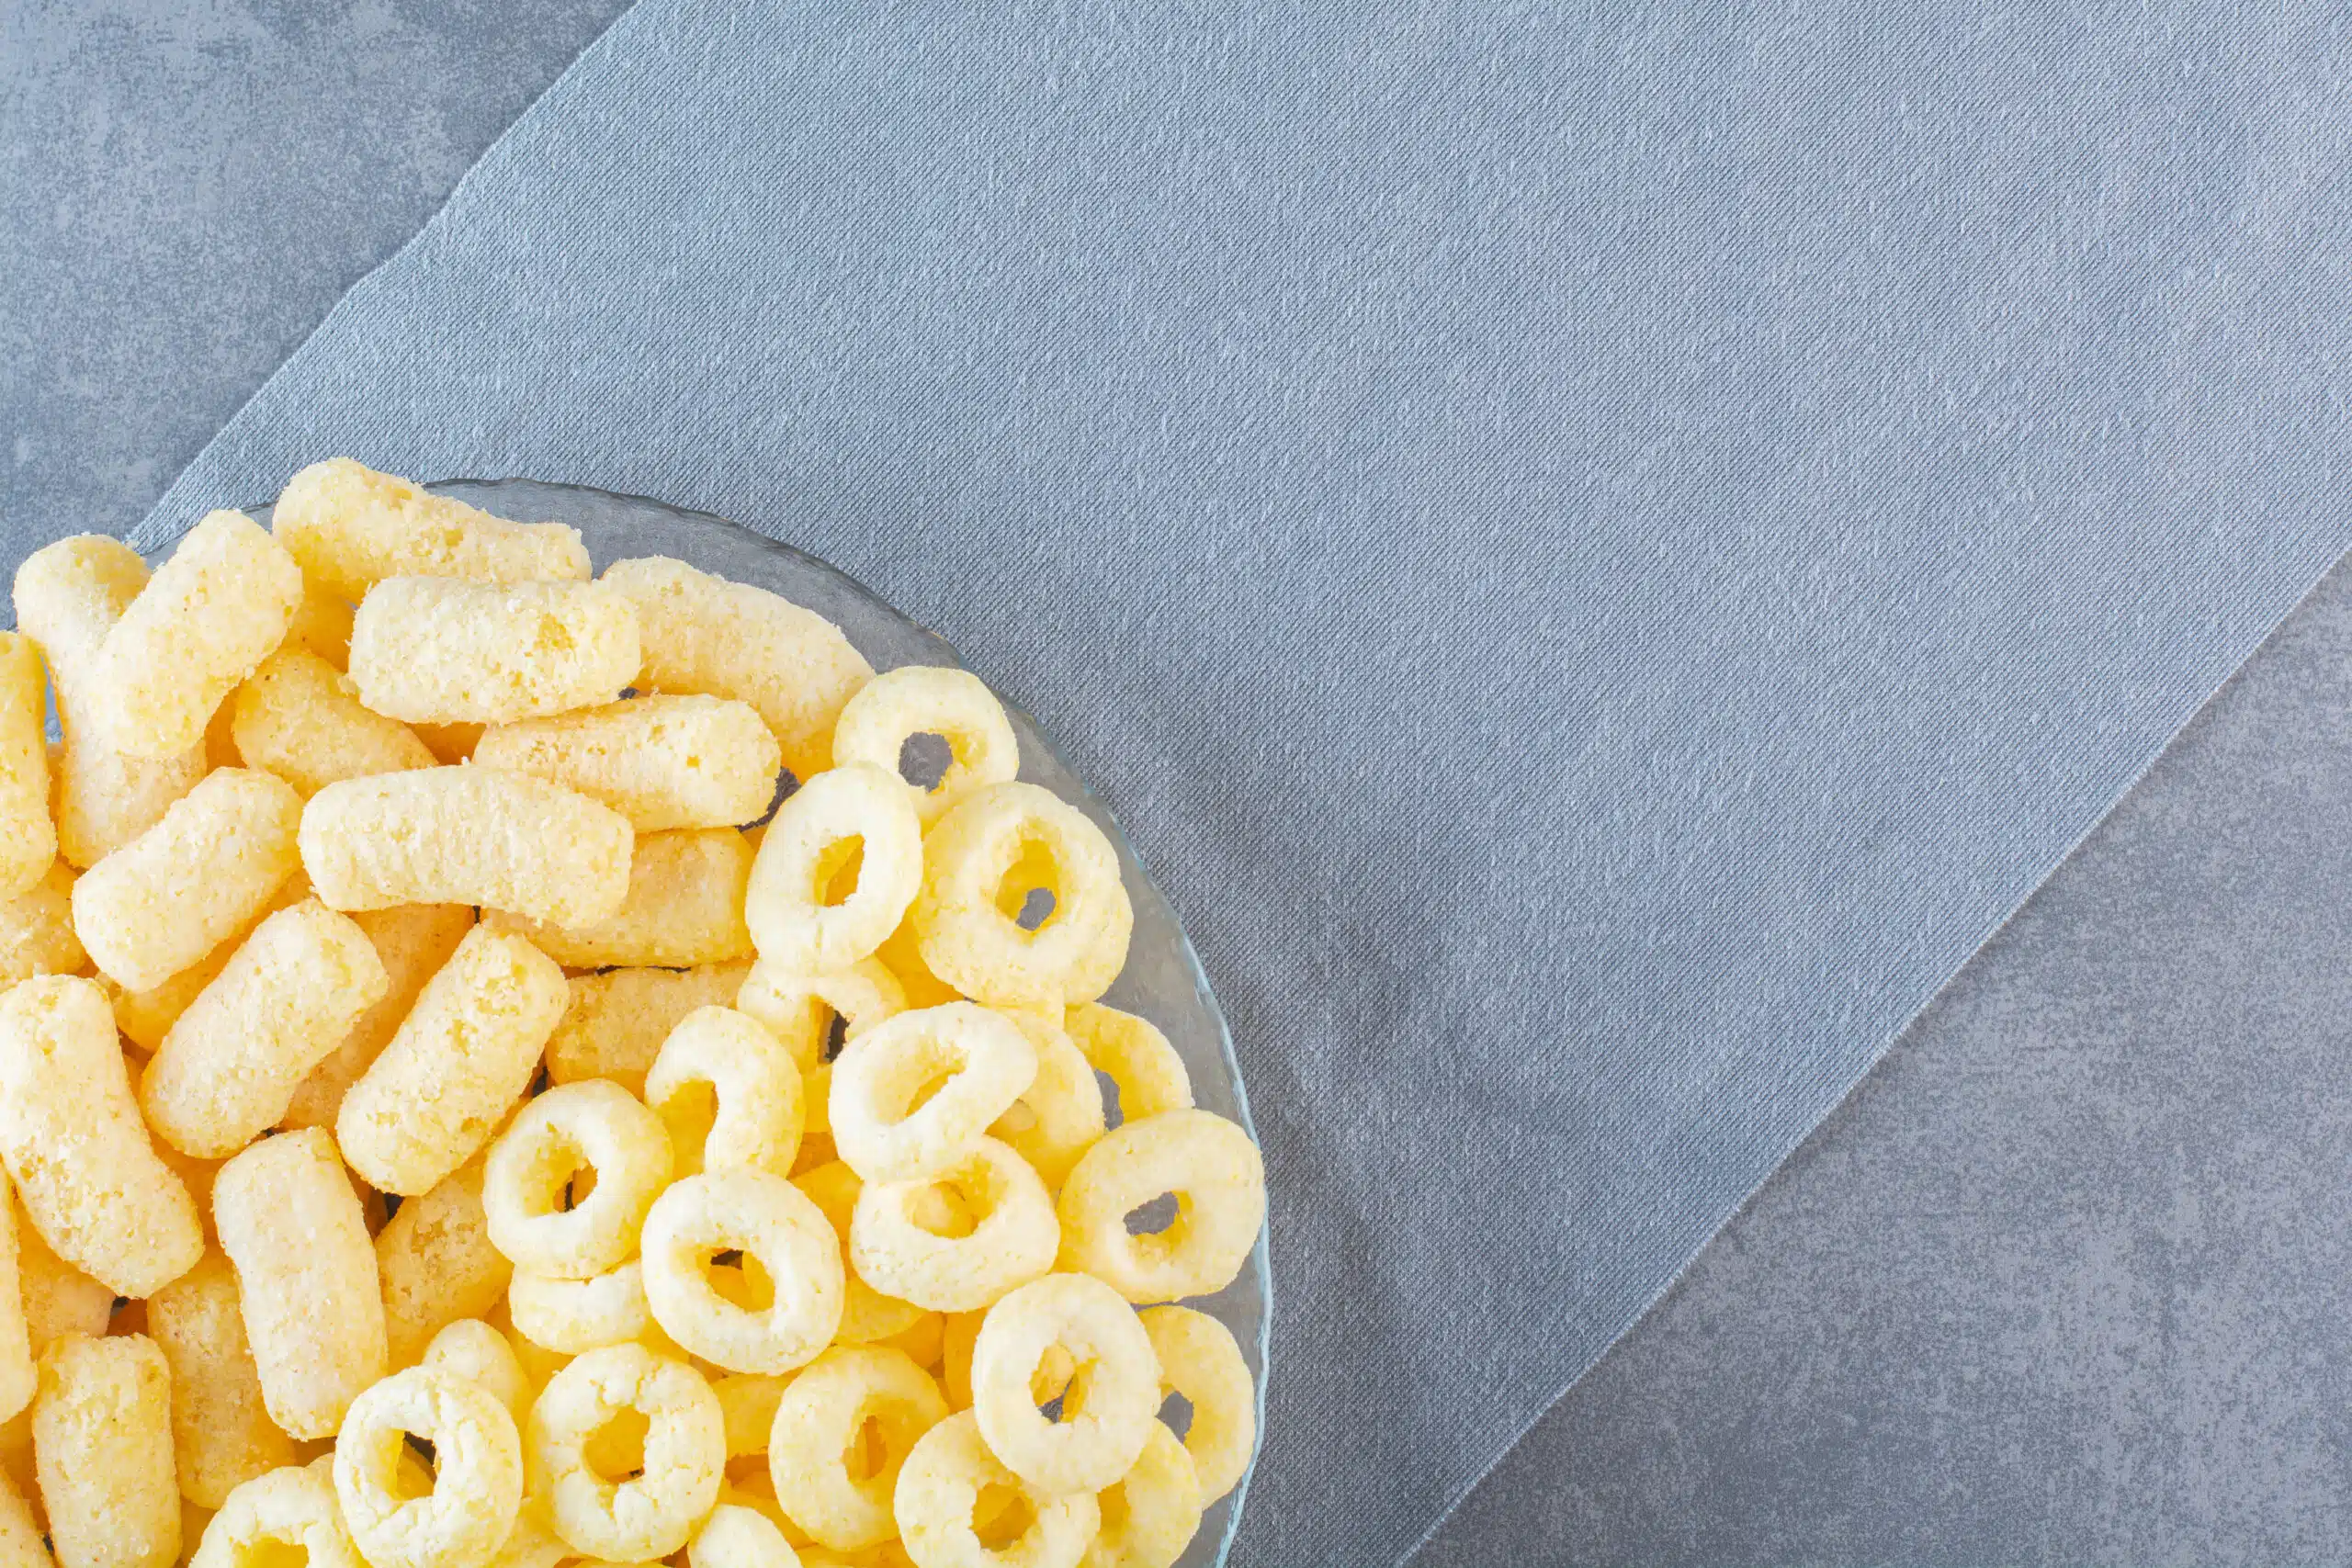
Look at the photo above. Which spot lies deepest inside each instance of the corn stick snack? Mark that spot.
(662, 762)
(28, 837)
(37, 928)
(306, 1272)
(197, 876)
(411, 941)
(114, 1211)
(442, 650)
(466, 835)
(684, 908)
(436, 1264)
(298, 717)
(102, 1445)
(705, 636)
(16, 1332)
(351, 527)
(21, 1542)
(321, 624)
(199, 627)
(230, 1064)
(221, 1431)
(58, 1298)
(618, 1020)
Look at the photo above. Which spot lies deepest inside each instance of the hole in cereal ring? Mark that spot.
(836, 1036)
(739, 1277)
(838, 868)
(923, 759)
(272, 1552)
(1150, 1219)
(615, 1450)
(867, 1452)
(1037, 909)
(1112, 1115)
(578, 1185)
(419, 1468)
(1000, 1516)
(1176, 1414)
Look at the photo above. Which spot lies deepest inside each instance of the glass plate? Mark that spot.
(1162, 981)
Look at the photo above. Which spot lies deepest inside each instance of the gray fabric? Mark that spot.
(2064, 1281)
(1598, 551)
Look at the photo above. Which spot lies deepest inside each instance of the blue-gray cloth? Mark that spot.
(1598, 549)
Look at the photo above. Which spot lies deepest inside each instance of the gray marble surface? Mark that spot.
(2058, 1284)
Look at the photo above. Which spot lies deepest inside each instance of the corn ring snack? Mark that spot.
(684, 907)
(58, 1298)
(21, 1542)
(436, 1264)
(728, 1094)
(445, 650)
(69, 596)
(299, 718)
(1109, 1407)
(705, 634)
(593, 1125)
(618, 1020)
(466, 835)
(737, 1537)
(477, 1488)
(227, 1067)
(822, 1419)
(653, 1514)
(351, 527)
(1060, 1115)
(799, 1010)
(1199, 1358)
(28, 837)
(574, 1316)
(272, 1518)
(981, 862)
(306, 1272)
(1010, 1240)
(102, 1445)
(662, 762)
(115, 1210)
(858, 812)
(1219, 1181)
(986, 1063)
(778, 1231)
(939, 1491)
(954, 704)
(202, 623)
(37, 928)
(470, 1350)
(221, 1433)
(199, 875)
(1150, 1514)
(16, 1352)
(1143, 1066)
(464, 1054)
(411, 941)
(867, 1315)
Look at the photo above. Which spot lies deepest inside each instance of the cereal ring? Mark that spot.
(736, 1537)
(115, 1210)
(351, 527)
(306, 1274)
(662, 762)
(28, 837)
(596, 1126)
(411, 941)
(474, 1352)
(982, 861)
(1060, 1115)
(1142, 1066)
(466, 835)
(1219, 1182)
(684, 907)
(442, 650)
(728, 1094)
(800, 1010)
(608, 1513)
(954, 704)
(102, 1445)
(1199, 1360)
(437, 1265)
(939, 1491)
(986, 1061)
(230, 1064)
(1110, 1399)
(464, 1055)
(572, 1317)
(289, 1515)
(1010, 1239)
(37, 928)
(704, 634)
(201, 874)
(781, 1235)
(299, 718)
(618, 1020)
(208, 615)
(476, 1470)
(824, 1417)
(867, 1313)
(222, 1432)
(1150, 1514)
(856, 815)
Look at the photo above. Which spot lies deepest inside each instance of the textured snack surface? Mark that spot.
(442, 650)
(350, 527)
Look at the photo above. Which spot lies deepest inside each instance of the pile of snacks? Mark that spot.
(442, 1135)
